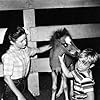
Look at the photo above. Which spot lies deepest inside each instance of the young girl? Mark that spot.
(16, 64)
(83, 80)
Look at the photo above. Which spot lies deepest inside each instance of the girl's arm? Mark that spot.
(43, 49)
(64, 68)
(34, 51)
(12, 86)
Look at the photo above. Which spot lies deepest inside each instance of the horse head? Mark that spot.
(63, 38)
(69, 47)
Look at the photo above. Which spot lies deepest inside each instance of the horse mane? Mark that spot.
(59, 33)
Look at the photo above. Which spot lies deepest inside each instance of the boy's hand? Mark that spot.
(61, 58)
(92, 65)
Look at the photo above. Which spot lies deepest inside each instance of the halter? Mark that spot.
(71, 46)
(64, 44)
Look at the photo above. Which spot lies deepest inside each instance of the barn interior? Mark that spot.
(41, 18)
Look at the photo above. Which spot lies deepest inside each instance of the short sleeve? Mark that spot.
(8, 64)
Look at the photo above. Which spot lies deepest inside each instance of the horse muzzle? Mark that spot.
(73, 50)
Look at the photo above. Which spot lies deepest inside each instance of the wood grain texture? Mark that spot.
(39, 4)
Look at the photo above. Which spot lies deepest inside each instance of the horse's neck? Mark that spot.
(58, 50)
(57, 44)
(68, 60)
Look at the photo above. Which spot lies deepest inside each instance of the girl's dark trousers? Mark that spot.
(2, 87)
(21, 84)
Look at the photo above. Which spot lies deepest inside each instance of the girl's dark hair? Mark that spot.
(11, 34)
(15, 33)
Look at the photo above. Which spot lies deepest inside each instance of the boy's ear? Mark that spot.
(92, 65)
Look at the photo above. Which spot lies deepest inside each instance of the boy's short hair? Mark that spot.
(90, 54)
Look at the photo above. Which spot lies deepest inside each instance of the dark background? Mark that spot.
(11, 18)
(67, 16)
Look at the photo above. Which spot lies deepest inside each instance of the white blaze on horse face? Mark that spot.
(68, 40)
(71, 46)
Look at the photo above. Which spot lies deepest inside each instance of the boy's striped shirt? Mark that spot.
(82, 84)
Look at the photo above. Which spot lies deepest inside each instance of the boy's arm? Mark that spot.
(64, 68)
(90, 95)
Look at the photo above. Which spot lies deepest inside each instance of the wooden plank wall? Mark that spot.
(43, 33)
(39, 4)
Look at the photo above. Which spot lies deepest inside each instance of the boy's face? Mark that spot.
(83, 64)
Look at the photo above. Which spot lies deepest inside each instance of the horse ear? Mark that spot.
(64, 29)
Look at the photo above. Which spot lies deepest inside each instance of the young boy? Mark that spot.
(83, 81)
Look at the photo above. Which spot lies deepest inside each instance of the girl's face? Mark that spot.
(21, 42)
(83, 64)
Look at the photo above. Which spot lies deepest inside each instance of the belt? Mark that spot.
(19, 83)
(19, 80)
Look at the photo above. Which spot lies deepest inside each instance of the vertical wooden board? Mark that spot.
(29, 18)
(31, 44)
(34, 36)
(33, 83)
(34, 67)
(33, 80)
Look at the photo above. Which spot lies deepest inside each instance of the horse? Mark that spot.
(61, 43)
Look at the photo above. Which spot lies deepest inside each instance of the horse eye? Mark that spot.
(65, 44)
